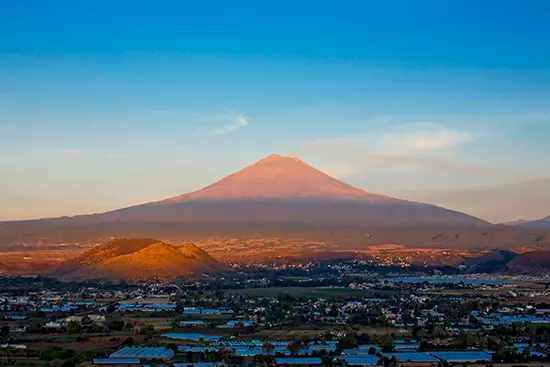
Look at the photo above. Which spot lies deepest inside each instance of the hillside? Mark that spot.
(496, 257)
(543, 223)
(536, 263)
(140, 258)
(110, 249)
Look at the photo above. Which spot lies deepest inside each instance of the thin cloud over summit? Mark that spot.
(237, 121)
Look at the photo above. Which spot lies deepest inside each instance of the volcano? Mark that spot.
(275, 195)
(284, 190)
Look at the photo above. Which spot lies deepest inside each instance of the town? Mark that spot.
(273, 315)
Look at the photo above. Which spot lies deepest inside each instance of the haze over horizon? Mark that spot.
(105, 105)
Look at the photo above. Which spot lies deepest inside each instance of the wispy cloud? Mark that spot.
(234, 122)
(417, 138)
(422, 145)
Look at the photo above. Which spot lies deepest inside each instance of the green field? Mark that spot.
(22, 361)
(320, 292)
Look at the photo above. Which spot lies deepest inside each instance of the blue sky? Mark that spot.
(110, 103)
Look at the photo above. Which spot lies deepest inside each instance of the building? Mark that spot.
(298, 361)
(143, 353)
(468, 356)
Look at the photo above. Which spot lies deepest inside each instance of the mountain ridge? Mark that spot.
(543, 223)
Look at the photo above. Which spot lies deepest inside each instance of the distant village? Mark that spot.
(293, 315)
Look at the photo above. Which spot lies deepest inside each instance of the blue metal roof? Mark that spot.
(190, 336)
(116, 361)
(354, 361)
(16, 317)
(368, 346)
(298, 361)
(143, 352)
(463, 356)
(413, 357)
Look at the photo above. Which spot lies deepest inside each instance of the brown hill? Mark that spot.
(140, 258)
(535, 262)
(110, 249)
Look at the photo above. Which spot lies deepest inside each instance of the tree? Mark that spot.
(173, 347)
(213, 356)
(111, 308)
(73, 327)
(267, 348)
(498, 356)
(5, 332)
(63, 363)
(439, 333)
(147, 330)
(348, 342)
(386, 343)
(128, 342)
(86, 321)
(420, 333)
(294, 346)
(115, 325)
(327, 361)
(128, 327)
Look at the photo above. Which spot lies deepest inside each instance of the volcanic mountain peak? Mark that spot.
(280, 177)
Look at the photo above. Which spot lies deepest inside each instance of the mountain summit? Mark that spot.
(279, 177)
(283, 190)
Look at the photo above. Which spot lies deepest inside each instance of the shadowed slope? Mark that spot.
(536, 262)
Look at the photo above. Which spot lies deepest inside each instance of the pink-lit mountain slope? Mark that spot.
(281, 178)
(279, 190)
